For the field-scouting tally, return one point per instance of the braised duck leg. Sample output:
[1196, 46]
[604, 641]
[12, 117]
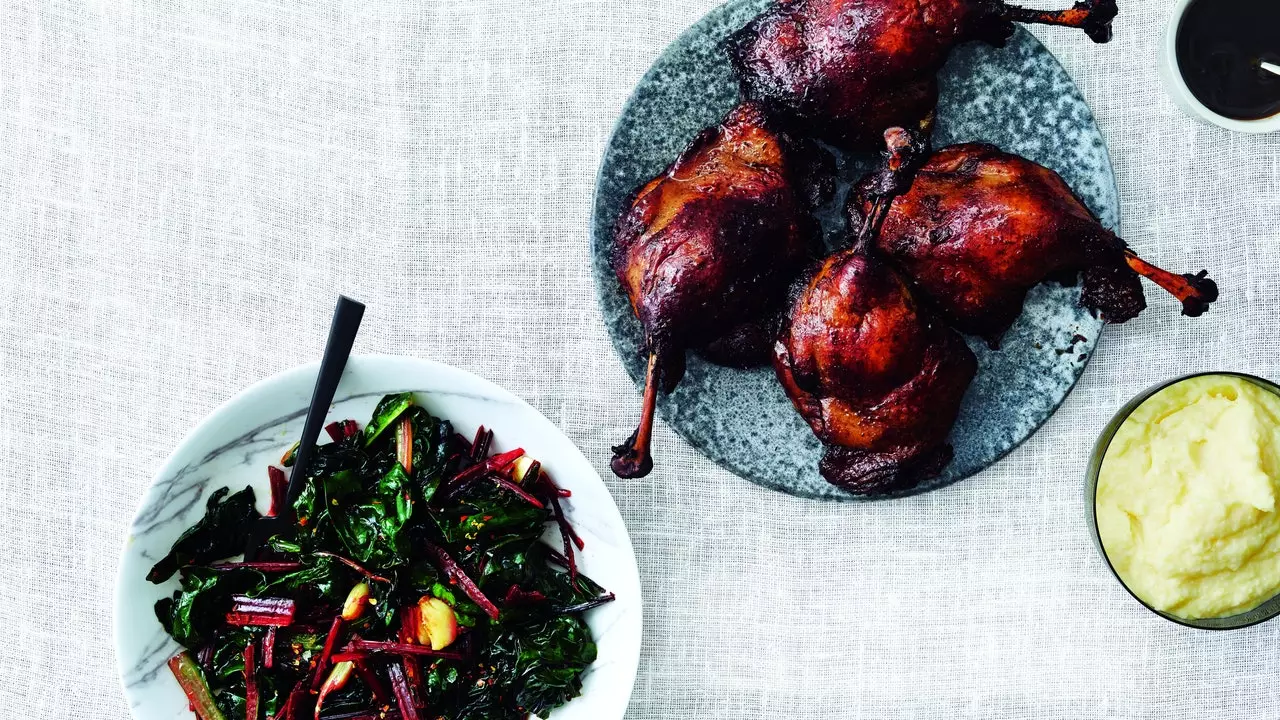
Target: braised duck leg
[707, 248]
[844, 70]
[876, 376]
[980, 227]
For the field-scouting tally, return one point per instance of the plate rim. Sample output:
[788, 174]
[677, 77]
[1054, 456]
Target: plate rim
[594, 240]
[630, 663]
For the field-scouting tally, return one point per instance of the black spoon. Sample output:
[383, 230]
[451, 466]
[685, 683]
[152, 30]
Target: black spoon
[342, 334]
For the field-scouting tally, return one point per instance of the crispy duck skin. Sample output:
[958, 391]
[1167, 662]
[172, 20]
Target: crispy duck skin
[980, 227]
[875, 375]
[705, 252]
[845, 70]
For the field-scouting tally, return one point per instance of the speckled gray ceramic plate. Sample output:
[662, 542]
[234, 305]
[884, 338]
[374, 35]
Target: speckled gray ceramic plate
[1018, 98]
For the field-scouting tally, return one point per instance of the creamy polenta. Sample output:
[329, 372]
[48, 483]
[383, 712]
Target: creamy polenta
[1186, 498]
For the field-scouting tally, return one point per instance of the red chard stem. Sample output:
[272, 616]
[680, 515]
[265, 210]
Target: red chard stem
[279, 485]
[336, 433]
[248, 611]
[380, 693]
[269, 648]
[400, 686]
[399, 648]
[455, 573]
[350, 428]
[354, 566]
[519, 491]
[193, 684]
[259, 566]
[251, 699]
[330, 642]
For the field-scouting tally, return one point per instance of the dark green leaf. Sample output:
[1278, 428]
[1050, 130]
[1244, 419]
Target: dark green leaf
[196, 611]
[284, 545]
[490, 515]
[388, 409]
[467, 613]
[341, 484]
[370, 530]
[551, 657]
[395, 489]
[222, 533]
[305, 504]
[322, 577]
[359, 503]
[358, 528]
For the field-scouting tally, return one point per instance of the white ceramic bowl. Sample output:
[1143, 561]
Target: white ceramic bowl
[234, 445]
[1181, 94]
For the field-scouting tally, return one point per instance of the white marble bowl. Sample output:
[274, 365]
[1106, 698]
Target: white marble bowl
[233, 446]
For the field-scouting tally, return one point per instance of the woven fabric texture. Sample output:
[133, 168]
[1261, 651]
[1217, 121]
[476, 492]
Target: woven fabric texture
[185, 186]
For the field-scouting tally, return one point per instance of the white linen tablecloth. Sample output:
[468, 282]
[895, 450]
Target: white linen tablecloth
[185, 186]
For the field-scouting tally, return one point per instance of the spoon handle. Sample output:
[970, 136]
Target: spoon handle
[342, 335]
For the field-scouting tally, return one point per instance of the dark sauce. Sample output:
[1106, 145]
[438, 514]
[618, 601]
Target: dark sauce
[1221, 45]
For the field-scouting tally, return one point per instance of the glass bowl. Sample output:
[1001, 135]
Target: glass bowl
[1263, 612]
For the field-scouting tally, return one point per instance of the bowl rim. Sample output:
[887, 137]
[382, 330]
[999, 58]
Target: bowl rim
[1176, 84]
[309, 370]
[1267, 609]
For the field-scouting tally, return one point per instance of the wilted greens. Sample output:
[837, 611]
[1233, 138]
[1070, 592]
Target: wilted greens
[414, 583]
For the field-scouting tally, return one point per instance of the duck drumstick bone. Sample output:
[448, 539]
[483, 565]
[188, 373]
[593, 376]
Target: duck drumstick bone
[876, 377]
[705, 252]
[980, 227]
[1196, 291]
[1092, 16]
[632, 459]
[845, 70]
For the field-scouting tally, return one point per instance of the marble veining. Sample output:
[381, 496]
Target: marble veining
[177, 490]
[158, 650]
[214, 456]
[251, 444]
[181, 494]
